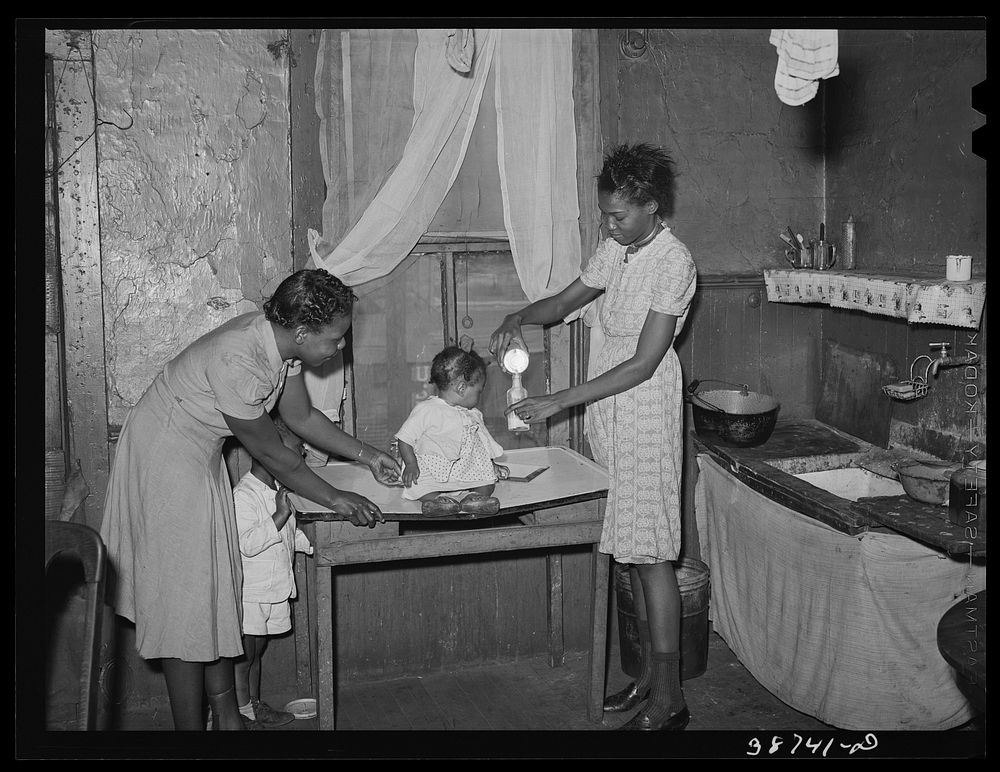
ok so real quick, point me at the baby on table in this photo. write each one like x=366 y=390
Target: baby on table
x=447 y=451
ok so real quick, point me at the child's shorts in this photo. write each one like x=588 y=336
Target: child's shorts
x=267 y=618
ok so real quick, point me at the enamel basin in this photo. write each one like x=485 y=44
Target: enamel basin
x=853 y=483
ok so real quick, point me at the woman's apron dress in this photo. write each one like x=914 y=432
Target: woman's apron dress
x=638 y=434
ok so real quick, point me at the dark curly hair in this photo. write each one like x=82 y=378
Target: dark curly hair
x=454 y=363
x=313 y=298
x=639 y=174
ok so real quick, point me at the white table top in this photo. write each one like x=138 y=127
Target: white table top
x=569 y=474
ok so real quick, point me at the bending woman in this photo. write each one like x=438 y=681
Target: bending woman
x=647 y=279
x=169 y=521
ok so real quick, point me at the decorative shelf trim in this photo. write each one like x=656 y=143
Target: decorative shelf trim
x=919 y=301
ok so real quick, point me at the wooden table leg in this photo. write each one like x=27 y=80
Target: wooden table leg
x=600 y=577
x=304 y=628
x=553 y=571
x=326 y=683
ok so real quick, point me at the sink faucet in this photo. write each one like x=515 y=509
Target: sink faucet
x=944 y=359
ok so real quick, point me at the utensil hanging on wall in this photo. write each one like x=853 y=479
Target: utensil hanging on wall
x=467 y=321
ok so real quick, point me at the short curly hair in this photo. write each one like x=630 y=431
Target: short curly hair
x=455 y=363
x=313 y=298
x=639 y=173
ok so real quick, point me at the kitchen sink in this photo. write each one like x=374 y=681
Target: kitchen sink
x=853 y=483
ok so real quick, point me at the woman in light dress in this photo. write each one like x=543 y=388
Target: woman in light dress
x=635 y=407
x=169 y=521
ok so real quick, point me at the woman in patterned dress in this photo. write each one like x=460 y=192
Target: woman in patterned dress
x=635 y=407
x=169 y=520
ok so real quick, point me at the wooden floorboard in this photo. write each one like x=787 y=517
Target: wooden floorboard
x=385 y=696
x=518 y=706
x=460 y=711
x=569 y=683
x=528 y=694
x=350 y=712
x=479 y=686
x=536 y=708
x=422 y=712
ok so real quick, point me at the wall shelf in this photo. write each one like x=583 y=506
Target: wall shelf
x=918 y=300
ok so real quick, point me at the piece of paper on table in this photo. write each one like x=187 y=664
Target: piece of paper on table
x=524 y=472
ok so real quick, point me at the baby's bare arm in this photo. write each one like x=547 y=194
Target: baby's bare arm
x=411 y=469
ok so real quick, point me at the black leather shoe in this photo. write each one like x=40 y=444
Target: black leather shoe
x=675 y=723
x=626 y=699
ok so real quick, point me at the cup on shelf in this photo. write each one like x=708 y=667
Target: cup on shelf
x=958 y=267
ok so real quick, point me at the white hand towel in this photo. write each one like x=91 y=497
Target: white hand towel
x=805 y=56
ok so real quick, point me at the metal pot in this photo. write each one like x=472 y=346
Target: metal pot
x=737 y=417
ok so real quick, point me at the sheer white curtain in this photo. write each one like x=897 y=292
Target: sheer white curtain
x=536 y=151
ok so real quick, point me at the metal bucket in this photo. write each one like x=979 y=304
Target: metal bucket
x=733 y=416
x=694 y=586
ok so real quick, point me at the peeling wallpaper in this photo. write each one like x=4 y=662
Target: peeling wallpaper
x=194 y=189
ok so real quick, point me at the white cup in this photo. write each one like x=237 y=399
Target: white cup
x=959 y=267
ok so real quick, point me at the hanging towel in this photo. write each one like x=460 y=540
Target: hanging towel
x=805 y=56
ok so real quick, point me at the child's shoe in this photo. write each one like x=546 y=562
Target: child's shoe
x=442 y=506
x=268 y=717
x=478 y=504
x=251 y=725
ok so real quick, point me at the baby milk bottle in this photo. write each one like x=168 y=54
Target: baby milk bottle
x=515 y=362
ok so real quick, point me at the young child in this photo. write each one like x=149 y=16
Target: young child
x=265 y=521
x=446 y=449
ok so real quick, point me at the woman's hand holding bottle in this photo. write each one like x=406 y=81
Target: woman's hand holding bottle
x=508 y=331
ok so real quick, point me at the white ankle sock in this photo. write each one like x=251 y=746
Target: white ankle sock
x=247 y=710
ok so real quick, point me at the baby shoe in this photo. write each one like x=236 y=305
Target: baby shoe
x=442 y=506
x=478 y=504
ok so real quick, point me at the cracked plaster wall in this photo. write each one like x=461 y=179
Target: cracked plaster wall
x=899 y=149
x=899 y=158
x=194 y=189
x=747 y=164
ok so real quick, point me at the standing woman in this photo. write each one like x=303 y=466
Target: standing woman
x=169 y=521
x=635 y=401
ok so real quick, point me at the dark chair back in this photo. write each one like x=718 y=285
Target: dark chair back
x=84 y=543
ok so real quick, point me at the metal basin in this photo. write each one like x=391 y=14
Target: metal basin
x=926 y=481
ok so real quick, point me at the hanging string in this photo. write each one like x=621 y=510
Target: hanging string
x=98 y=121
